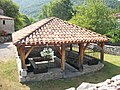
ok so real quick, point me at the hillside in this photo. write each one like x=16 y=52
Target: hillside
x=32 y=7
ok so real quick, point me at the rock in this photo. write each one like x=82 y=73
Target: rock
x=85 y=85
x=5 y=38
x=72 y=88
x=109 y=84
x=23 y=72
x=118 y=88
x=116 y=77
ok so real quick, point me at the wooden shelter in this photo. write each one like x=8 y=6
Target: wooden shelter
x=56 y=32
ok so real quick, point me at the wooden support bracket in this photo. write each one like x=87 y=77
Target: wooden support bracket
x=70 y=47
x=29 y=52
x=21 y=52
x=58 y=49
x=86 y=46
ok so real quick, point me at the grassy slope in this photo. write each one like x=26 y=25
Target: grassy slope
x=9 y=77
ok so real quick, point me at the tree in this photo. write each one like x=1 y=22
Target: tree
x=27 y=20
x=118 y=7
x=44 y=13
x=111 y=3
x=94 y=15
x=11 y=9
x=114 y=36
x=58 y=8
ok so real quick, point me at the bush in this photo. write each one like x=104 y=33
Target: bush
x=2 y=33
x=114 y=35
x=95 y=15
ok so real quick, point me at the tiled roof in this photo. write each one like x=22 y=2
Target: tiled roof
x=55 y=31
x=5 y=17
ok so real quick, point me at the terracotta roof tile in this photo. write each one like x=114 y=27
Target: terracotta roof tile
x=55 y=31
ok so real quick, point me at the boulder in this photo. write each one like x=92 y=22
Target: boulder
x=109 y=84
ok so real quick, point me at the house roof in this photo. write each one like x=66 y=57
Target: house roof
x=55 y=31
x=5 y=17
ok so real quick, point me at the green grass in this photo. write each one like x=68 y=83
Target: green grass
x=9 y=77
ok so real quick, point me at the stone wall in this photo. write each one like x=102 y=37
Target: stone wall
x=6 y=38
x=8 y=25
x=115 y=50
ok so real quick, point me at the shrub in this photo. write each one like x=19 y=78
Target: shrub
x=114 y=35
x=2 y=33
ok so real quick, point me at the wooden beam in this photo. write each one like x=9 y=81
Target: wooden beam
x=81 y=55
x=23 y=56
x=63 y=57
x=58 y=49
x=99 y=44
x=102 y=52
x=86 y=46
x=29 y=52
x=70 y=47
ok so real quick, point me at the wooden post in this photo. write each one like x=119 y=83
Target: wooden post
x=102 y=52
x=63 y=57
x=70 y=47
x=23 y=56
x=81 y=55
x=18 y=50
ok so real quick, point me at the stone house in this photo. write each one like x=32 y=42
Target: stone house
x=6 y=28
x=6 y=24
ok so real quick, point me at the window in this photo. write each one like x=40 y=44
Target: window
x=3 y=22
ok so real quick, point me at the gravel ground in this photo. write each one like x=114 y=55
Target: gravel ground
x=7 y=51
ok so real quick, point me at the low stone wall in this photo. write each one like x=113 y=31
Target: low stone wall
x=115 y=50
x=6 y=38
x=52 y=74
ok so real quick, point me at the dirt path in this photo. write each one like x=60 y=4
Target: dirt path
x=7 y=51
